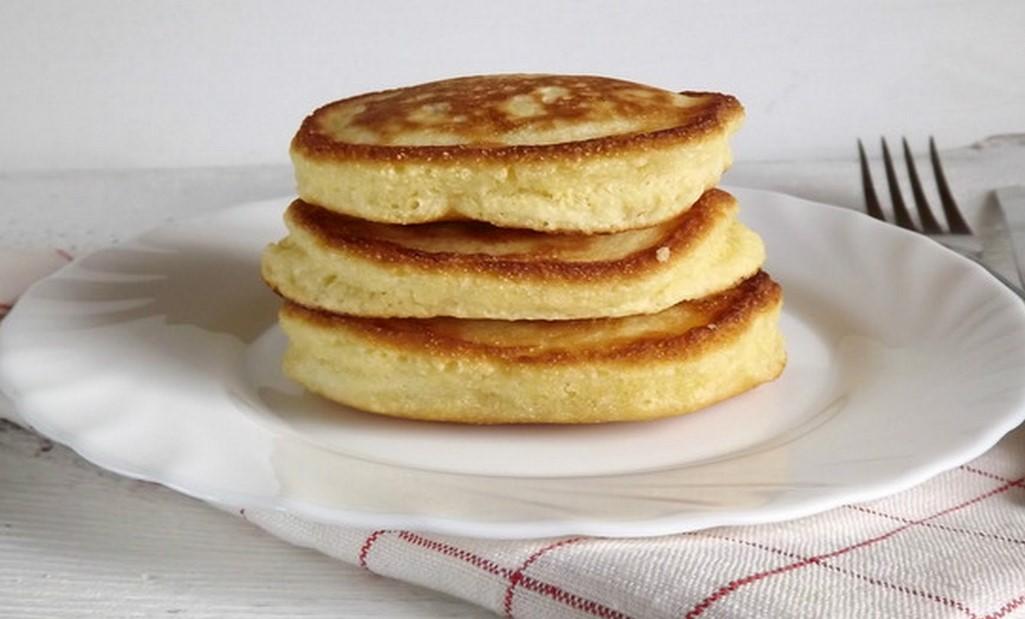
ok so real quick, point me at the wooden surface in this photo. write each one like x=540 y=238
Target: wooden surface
x=75 y=540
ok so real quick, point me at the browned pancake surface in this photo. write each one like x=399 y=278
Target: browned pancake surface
x=511 y=116
x=505 y=252
x=687 y=329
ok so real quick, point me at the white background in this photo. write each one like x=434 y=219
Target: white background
x=147 y=84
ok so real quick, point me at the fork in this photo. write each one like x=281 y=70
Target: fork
x=958 y=236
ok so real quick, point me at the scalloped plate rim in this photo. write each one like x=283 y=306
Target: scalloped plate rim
x=984 y=438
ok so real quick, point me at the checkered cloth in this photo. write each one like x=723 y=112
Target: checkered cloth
x=951 y=547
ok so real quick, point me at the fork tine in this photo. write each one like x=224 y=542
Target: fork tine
x=899 y=209
x=954 y=219
x=871 y=200
x=929 y=223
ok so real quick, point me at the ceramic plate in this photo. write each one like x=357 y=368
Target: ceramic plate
x=159 y=359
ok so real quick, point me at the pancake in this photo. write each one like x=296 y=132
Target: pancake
x=486 y=372
x=472 y=270
x=542 y=152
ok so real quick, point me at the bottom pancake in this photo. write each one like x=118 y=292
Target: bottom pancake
x=684 y=358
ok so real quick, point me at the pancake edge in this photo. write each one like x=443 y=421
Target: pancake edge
x=725 y=112
x=706 y=250
x=408 y=334
x=408 y=380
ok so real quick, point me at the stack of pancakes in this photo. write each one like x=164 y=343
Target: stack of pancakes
x=523 y=249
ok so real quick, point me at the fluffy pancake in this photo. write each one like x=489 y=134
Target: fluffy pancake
x=543 y=152
x=472 y=270
x=484 y=371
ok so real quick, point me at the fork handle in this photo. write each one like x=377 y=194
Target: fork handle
x=1000 y=278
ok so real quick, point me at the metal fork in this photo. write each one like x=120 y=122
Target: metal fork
x=958 y=236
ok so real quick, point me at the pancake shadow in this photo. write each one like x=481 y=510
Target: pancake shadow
x=187 y=283
x=310 y=415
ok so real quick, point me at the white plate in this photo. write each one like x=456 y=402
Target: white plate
x=159 y=359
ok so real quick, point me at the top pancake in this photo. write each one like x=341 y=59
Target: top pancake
x=543 y=152
x=492 y=113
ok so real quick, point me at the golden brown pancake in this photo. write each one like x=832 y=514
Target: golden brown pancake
x=543 y=152
x=473 y=270
x=486 y=371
